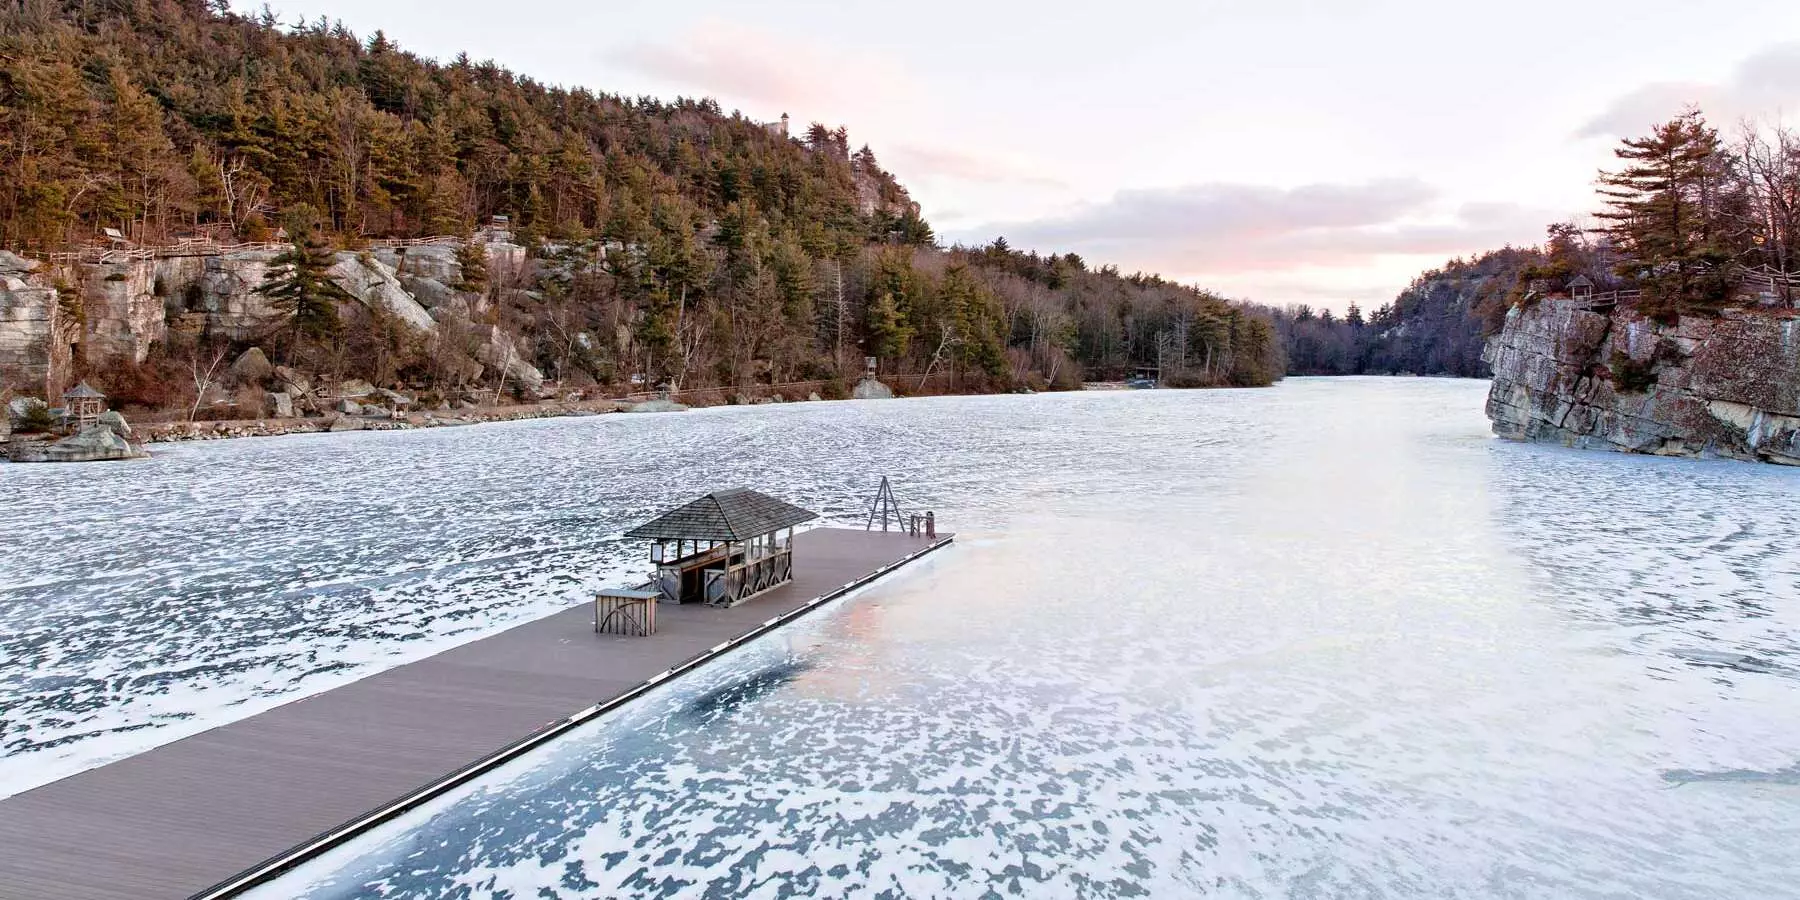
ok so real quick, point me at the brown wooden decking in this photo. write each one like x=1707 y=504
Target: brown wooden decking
x=186 y=816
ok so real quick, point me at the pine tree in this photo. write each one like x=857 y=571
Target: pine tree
x=298 y=284
x=889 y=332
x=1665 y=216
x=471 y=259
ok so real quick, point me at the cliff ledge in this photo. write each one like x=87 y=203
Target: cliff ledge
x=1615 y=380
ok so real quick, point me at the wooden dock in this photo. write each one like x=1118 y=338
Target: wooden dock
x=221 y=811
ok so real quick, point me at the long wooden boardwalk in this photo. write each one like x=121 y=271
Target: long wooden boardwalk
x=190 y=817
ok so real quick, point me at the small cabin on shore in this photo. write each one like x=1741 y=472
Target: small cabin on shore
x=723 y=548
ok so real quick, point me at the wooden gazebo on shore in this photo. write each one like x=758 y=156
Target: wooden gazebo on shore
x=723 y=548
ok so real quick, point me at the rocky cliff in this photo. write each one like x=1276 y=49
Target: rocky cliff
x=114 y=312
x=1611 y=379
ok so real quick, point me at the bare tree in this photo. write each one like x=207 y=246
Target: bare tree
x=204 y=375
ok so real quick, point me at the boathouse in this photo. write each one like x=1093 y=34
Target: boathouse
x=723 y=548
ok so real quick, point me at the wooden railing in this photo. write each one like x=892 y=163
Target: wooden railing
x=197 y=247
x=442 y=240
x=207 y=247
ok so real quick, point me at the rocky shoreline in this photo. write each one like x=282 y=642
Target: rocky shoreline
x=1613 y=379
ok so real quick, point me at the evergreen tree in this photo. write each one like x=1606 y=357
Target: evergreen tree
x=298 y=284
x=889 y=332
x=471 y=260
x=1665 y=215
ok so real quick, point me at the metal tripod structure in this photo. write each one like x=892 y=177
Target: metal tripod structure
x=885 y=506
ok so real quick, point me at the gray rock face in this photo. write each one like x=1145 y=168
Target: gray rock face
x=372 y=282
x=349 y=407
x=295 y=382
x=281 y=405
x=871 y=389
x=114 y=420
x=1728 y=386
x=13 y=264
x=33 y=351
x=127 y=307
x=436 y=263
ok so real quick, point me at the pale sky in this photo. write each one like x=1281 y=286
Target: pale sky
x=1297 y=151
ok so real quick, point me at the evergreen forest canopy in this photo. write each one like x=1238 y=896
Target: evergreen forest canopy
x=1685 y=218
x=683 y=243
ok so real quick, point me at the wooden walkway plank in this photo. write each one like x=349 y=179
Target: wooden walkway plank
x=179 y=819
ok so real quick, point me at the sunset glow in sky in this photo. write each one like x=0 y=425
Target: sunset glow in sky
x=1303 y=151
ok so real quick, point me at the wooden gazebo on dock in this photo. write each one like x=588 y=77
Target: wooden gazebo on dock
x=723 y=548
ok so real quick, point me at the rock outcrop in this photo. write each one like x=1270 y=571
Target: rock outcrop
x=1727 y=386
x=116 y=311
x=107 y=439
x=871 y=389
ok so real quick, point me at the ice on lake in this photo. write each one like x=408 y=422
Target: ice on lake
x=1324 y=640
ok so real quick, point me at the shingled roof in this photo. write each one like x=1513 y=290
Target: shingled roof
x=736 y=514
x=83 y=391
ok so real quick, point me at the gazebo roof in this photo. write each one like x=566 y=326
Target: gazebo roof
x=736 y=514
x=83 y=392
x=1580 y=281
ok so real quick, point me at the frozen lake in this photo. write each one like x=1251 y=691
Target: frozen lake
x=1324 y=640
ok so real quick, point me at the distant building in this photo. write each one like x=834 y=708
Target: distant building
x=778 y=128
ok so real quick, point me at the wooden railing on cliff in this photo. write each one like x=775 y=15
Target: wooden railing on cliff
x=1768 y=286
x=206 y=247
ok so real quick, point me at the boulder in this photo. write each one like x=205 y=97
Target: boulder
x=13 y=264
x=354 y=387
x=376 y=412
x=281 y=405
x=252 y=366
x=348 y=407
x=295 y=382
x=871 y=389
x=116 y=421
x=346 y=423
x=813 y=397
x=394 y=399
x=649 y=406
x=95 y=443
x=19 y=407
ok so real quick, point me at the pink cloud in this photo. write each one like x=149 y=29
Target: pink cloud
x=1227 y=228
x=775 y=72
x=920 y=161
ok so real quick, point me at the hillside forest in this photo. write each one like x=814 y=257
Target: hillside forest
x=678 y=242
